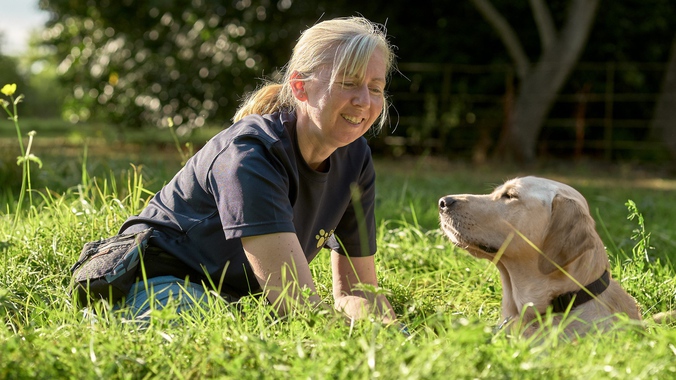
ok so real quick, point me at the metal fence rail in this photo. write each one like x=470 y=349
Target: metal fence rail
x=604 y=110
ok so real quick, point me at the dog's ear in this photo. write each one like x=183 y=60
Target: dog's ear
x=570 y=234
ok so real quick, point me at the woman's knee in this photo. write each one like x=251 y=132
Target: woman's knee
x=158 y=293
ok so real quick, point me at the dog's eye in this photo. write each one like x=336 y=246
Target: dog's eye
x=508 y=195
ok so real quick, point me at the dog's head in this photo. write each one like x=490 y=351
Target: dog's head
x=527 y=216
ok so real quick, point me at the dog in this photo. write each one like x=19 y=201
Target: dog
x=542 y=238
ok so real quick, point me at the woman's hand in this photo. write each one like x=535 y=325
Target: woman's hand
x=355 y=288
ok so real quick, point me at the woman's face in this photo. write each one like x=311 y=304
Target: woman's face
x=343 y=112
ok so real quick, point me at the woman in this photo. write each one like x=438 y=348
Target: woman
x=291 y=176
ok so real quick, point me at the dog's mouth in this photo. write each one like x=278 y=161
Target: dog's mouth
x=487 y=249
x=470 y=246
x=450 y=229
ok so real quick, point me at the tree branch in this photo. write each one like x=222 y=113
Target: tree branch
x=506 y=34
x=544 y=22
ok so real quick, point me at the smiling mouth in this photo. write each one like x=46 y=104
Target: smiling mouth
x=353 y=120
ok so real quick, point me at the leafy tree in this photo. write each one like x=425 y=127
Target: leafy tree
x=139 y=62
x=136 y=62
x=540 y=82
x=10 y=73
x=9 y=68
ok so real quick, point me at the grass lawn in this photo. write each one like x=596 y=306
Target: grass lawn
x=449 y=300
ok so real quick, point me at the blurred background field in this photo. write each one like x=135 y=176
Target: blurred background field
x=478 y=81
x=449 y=300
x=102 y=80
x=408 y=185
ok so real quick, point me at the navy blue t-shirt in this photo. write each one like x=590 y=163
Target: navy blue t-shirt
x=251 y=179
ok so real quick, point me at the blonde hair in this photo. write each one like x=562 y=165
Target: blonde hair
x=344 y=45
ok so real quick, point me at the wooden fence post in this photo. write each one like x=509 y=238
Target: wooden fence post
x=608 y=119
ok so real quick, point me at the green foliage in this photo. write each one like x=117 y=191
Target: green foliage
x=45 y=94
x=641 y=236
x=139 y=63
x=26 y=157
x=142 y=62
x=450 y=301
x=10 y=73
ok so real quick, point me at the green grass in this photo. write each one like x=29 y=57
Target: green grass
x=449 y=300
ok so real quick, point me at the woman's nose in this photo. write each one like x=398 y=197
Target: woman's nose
x=361 y=96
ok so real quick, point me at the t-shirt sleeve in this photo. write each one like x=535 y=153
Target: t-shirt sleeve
x=355 y=234
x=250 y=186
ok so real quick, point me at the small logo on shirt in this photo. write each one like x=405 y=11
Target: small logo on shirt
x=323 y=236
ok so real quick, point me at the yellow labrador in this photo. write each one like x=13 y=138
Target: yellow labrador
x=541 y=236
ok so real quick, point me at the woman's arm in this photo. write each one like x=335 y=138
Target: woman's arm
x=348 y=273
x=281 y=269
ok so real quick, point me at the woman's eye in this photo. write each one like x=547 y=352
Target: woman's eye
x=376 y=90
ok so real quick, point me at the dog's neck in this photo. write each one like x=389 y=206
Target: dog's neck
x=525 y=289
x=574 y=299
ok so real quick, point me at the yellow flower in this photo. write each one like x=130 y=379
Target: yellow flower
x=9 y=89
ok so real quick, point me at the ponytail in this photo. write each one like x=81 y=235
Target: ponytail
x=265 y=100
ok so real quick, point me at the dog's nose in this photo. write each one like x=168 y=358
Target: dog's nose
x=445 y=203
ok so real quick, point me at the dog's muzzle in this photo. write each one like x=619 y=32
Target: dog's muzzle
x=450 y=226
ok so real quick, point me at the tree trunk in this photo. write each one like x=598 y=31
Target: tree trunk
x=664 y=121
x=541 y=83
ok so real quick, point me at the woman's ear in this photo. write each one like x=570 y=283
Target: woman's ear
x=298 y=86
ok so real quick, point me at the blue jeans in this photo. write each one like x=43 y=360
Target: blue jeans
x=158 y=292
